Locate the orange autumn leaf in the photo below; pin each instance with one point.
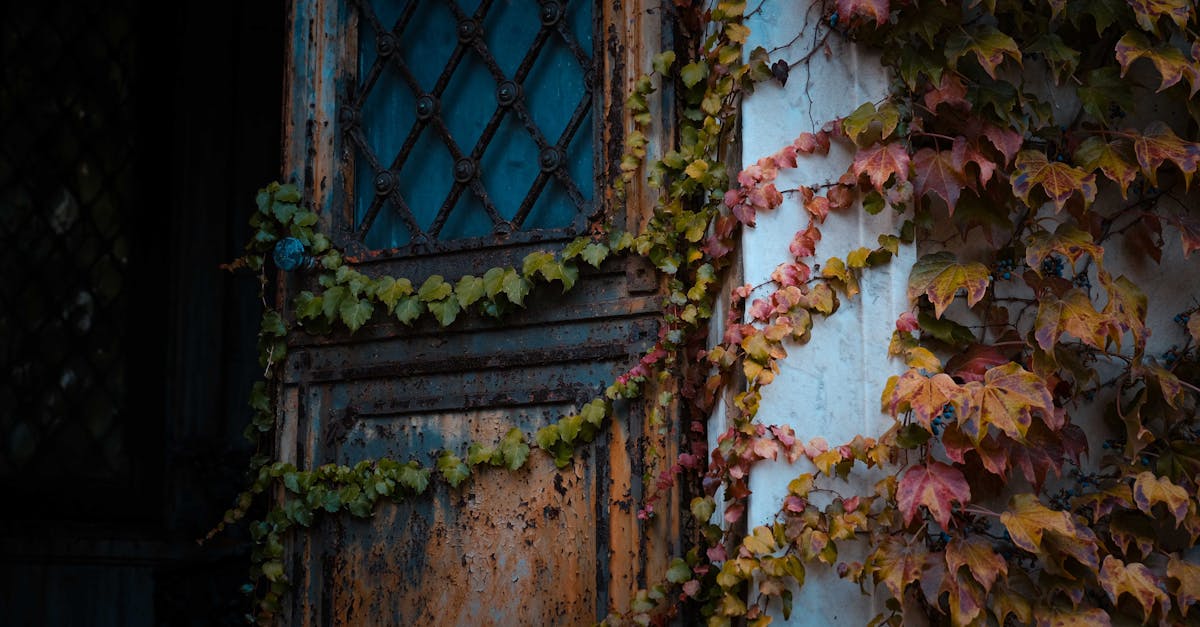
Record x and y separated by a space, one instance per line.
982 562
1158 144
939 276
1058 180
880 162
1005 399
1118 578
925 396
1028 521
897 564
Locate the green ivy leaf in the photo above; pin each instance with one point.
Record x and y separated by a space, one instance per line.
308 306
535 262
989 45
413 477
333 298
663 61
572 250
272 324
355 313
452 469
567 274
514 449
408 309
595 412
679 571
569 426
284 211
516 287
480 454
693 73
446 311
547 437
468 290
304 218
389 291
493 281
288 192
434 288
595 254
273 570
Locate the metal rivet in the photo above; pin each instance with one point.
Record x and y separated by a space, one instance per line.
384 182
589 80
289 255
385 45
549 159
504 228
426 106
551 12
348 116
467 29
506 93
464 169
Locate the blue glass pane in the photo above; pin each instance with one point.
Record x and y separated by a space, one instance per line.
469 120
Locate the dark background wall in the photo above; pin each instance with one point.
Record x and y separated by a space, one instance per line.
133 136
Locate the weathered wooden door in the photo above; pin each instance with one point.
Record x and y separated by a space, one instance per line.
447 137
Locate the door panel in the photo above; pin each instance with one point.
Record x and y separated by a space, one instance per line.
538 545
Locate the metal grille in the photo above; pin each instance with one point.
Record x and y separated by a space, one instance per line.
66 119
470 125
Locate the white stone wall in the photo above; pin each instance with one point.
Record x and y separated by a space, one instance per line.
829 387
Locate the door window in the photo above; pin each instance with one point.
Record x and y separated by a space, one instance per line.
470 122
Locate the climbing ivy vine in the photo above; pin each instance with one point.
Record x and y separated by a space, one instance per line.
1025 145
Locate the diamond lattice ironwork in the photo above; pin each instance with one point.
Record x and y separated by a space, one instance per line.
66 161
470 121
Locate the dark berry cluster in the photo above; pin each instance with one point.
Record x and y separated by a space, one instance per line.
1082 280
1052 266
1005 269
1171 356
940 420
1182 318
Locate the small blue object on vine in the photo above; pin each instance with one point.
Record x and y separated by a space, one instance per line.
290 255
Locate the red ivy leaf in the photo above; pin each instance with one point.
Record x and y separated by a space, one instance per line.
791 274
937 486
804 244
872 9
934 172
1006 140
1189 233
963 153
880 162
971 364
950 91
